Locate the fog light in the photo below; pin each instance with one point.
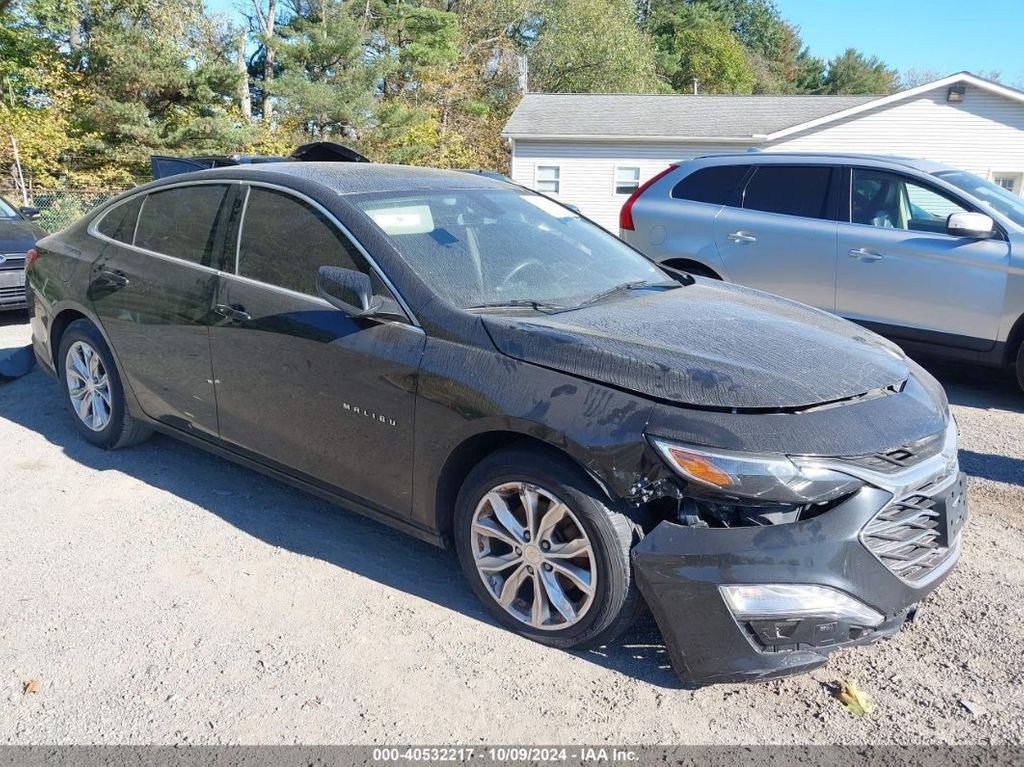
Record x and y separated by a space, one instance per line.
789 600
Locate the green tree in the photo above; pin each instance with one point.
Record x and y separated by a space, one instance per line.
324 88
809 75
852 72
590 46
143 77
694 43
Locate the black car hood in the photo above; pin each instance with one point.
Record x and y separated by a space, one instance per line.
18 236
708 345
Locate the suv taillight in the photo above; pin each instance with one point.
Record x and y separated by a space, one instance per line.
626 214
30 258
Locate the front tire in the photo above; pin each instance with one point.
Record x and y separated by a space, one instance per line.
543 551
93 392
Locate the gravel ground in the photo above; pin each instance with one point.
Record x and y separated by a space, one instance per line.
162 595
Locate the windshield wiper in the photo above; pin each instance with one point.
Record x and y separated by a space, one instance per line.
521 303
622 288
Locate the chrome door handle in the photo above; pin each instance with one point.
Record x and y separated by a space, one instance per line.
741 237
235 313
865 255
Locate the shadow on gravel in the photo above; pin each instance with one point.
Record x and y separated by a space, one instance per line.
998 468
290 519
17 317
977 386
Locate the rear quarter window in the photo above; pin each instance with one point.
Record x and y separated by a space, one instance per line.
119 222
183 222
712 185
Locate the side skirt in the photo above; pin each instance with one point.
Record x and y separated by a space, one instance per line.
345 503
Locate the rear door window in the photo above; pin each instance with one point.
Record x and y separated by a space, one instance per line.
793 190
186 222
119 223
713 185
285 241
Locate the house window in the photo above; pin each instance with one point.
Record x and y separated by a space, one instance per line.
548 179
627 180
1008 181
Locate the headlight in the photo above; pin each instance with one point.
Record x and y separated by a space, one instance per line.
767 478
791 600
949 443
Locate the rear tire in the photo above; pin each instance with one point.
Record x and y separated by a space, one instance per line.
92 389
1020 366
538 552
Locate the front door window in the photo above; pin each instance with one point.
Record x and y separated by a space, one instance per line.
891 201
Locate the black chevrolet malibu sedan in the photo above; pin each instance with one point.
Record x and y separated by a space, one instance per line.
478 365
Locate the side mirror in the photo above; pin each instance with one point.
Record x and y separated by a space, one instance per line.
977 226
29 212
347 290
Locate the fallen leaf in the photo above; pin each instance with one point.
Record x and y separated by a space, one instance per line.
32 686
855 700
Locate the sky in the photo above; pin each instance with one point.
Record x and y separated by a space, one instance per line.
942 35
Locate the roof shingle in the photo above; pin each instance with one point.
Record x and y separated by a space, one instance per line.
678 116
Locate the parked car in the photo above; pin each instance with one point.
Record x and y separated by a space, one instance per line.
476 365
929 256
315 151
17 235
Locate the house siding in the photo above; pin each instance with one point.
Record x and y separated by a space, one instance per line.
983 134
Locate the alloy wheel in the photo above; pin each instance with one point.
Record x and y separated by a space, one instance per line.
534 556
88 385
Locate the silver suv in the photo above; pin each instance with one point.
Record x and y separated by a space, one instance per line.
930 256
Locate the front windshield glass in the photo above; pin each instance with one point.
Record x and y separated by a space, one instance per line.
495 247
987 193
6 210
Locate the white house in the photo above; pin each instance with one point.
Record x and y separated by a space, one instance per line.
593 150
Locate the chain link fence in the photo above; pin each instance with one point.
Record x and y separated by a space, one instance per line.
58 208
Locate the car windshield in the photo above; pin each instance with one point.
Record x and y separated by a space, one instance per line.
987 193
7 211
491 248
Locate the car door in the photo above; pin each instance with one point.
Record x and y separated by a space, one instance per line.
900 272
153 288
300 384
779 233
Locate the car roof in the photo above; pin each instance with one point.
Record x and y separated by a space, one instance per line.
759 157
345 177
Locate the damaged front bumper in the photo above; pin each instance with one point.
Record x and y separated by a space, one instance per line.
884 548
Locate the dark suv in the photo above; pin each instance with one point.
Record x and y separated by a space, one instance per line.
475 364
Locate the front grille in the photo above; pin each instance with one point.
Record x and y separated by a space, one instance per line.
13 262
908 535
15 295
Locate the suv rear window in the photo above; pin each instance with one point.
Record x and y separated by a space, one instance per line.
795 190
713 185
